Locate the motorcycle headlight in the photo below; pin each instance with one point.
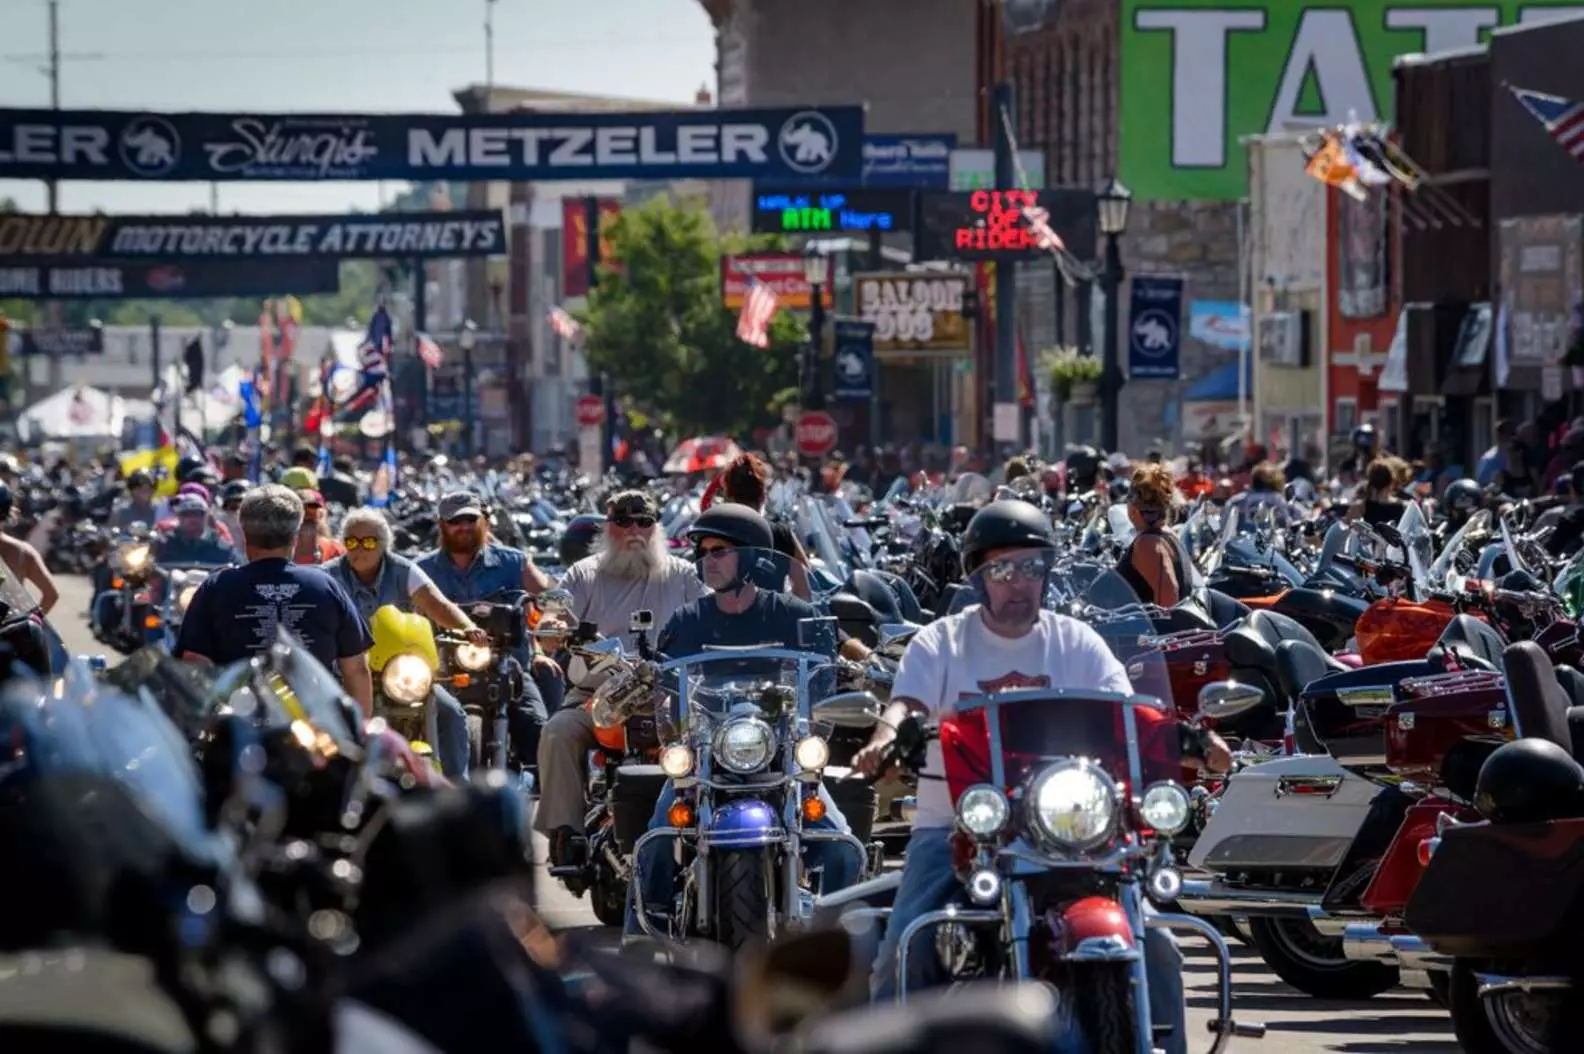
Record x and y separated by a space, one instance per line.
474 657
676 761
1165 808
185 597
407 679
1075 805
982 811
134 557
811 752
744 745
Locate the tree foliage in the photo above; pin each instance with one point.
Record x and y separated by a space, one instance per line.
656 326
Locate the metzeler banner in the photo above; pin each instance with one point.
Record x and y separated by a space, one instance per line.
34 239
787 145
140 280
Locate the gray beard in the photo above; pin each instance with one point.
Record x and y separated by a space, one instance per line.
632 564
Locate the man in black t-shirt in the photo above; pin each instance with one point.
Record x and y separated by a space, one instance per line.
238 612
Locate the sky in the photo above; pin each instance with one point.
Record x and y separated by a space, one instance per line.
352 56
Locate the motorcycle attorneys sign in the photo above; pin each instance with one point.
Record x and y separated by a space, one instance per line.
787 145
1155 328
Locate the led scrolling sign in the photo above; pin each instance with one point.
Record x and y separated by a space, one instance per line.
831 211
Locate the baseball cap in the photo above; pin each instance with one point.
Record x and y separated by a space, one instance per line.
299 478
633 503
188 504
310 497
461 503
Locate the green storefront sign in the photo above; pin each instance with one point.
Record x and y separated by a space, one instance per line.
1199 74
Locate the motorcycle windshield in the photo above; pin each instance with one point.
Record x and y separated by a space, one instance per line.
970 488
1007 739
1418 550
1445 570
301 695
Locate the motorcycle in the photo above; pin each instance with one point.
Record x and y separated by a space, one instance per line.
405 663
485 678
176 586
123 616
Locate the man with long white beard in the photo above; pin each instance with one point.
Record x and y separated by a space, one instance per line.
631 570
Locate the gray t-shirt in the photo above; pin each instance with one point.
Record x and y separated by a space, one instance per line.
608 602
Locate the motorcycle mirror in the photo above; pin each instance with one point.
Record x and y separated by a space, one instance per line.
610 646
818 634
1220 700
1390 534
850 710
891 632
555 601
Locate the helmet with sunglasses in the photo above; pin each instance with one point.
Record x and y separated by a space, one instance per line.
738 524
1009 524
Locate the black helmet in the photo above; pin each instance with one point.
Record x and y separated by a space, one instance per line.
577 541
1462 497
1529 780
5 502
234 489
1364 437
1083 467
738 524
1009 524
187 466
139 478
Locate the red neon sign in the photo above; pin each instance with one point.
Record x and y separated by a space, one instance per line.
998 222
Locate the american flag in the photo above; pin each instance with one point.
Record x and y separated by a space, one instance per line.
430 352
1562 118
758 308
1045 236
566 327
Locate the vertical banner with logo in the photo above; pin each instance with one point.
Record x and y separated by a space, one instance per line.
854 359
1155 328
574 242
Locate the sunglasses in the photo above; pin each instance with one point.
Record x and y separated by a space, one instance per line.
1030 569
462 521
710 552
633 521
361 543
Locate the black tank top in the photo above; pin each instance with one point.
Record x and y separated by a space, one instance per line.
1378 511
1146 591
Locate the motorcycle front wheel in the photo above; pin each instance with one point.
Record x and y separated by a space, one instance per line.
742 898
1103 995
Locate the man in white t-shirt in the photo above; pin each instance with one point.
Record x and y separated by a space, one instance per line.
1008 641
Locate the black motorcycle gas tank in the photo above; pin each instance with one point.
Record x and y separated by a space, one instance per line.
1326 613
1354 731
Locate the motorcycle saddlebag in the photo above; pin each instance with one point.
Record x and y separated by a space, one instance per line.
634 792
1533 874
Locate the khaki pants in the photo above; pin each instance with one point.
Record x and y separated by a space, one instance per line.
563 761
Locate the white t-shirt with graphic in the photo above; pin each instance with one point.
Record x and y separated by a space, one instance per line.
957 657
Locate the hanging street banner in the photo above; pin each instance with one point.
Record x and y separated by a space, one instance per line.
1155 328
1197 75
574 242
854 358
855 210
989 224
36 239
788 145
139 280
914 312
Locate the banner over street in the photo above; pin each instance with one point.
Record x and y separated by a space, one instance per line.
786 145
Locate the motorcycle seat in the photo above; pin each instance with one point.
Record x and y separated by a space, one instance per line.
1572 682
1223 609
1299 663
1539 703
1252 643
1475 644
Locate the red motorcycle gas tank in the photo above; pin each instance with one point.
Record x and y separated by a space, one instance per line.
1396 630
1400 868
1440 712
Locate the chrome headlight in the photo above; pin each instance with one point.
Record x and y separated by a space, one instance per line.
474 657
676 761
407 679
1075 805
1165 808
811 753
982 811
134 557
744 745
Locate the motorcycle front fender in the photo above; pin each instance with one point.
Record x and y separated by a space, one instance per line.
745 823
1095 928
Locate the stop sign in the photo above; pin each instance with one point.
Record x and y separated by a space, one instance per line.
590 411
815 434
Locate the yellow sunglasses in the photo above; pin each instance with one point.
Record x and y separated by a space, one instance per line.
361 543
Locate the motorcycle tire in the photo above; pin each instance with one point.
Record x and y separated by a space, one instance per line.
475 727
1103 996
608 896
742 899
1315 964
1479 1024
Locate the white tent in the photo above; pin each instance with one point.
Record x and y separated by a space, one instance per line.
78 412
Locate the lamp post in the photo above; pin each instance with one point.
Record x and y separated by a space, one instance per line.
465 340
1112 201
816 271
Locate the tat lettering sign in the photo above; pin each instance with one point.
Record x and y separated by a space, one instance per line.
1199 74
574 242
989 225
121 279
790 145
914 312
782 272
73 238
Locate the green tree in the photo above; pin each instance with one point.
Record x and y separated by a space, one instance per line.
656 326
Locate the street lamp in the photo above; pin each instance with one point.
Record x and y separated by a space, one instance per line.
816 270
1112 202
466 339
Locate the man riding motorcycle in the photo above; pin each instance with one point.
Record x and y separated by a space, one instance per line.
191 540
1007 640
374 577
139 504
467 567
739 613
630 570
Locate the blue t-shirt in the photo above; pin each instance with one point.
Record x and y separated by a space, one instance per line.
235 614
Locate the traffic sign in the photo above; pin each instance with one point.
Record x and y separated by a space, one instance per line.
815 434
590 411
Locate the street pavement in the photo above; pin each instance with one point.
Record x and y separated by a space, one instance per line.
1400 1022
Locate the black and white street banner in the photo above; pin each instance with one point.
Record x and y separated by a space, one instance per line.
33 239
139 280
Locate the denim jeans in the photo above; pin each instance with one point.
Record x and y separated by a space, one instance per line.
929 884
449 723
656 870
527 715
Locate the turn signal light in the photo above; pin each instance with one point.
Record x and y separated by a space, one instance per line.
1427 849
462 680
813 809
118 583
680 814
151 622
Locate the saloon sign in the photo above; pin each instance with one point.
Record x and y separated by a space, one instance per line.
914 312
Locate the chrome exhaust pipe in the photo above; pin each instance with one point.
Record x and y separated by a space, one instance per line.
1368 941
1213 897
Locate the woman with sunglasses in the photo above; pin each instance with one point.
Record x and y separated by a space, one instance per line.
1155 563
314 542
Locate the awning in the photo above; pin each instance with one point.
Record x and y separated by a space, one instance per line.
1467 371
1221 384
1394 375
